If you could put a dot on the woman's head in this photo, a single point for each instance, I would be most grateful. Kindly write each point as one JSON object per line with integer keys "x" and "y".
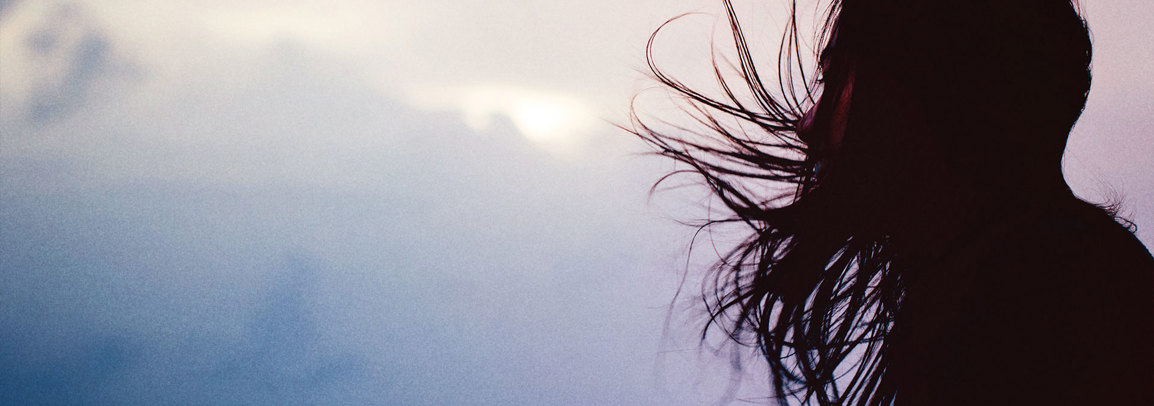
{"x": 986, "y": 86}
{"x": 925, "y": 100}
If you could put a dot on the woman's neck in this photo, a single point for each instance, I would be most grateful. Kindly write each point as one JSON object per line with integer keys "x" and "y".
{"x": 948, "y": 222}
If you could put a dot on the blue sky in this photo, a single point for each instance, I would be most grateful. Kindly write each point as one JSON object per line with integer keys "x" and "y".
{"x": 377, "y": 203}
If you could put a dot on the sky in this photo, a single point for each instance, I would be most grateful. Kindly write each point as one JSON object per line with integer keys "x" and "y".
{"x": 383, "y": 202}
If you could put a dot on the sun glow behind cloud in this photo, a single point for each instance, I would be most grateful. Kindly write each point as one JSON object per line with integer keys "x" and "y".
{"x": 556, "y": 121}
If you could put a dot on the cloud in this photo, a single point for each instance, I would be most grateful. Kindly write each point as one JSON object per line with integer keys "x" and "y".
{"x": 88, "y": 61}
{"x": 279, "y": 358}
{"x": 288, "y": 234}
{"x": 6, "y": 5}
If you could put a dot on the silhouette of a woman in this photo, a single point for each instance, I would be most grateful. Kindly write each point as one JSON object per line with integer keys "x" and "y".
{"x": 932, "y": 253}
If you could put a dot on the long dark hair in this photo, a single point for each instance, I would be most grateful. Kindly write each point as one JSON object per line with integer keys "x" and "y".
{"x": 960, "y": 114}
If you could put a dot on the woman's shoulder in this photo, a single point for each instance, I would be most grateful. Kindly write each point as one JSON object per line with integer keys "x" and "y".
{"x": 1070, "y": 255}
{"x": 1072, "y": 234}
{"x": 1055, "y": 306}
